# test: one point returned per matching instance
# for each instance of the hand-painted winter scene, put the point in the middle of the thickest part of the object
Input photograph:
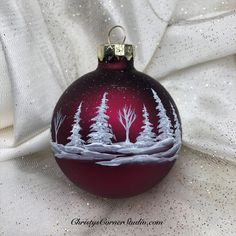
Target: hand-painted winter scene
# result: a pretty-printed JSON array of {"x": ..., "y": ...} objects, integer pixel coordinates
[{"x": 102, "y": 146}]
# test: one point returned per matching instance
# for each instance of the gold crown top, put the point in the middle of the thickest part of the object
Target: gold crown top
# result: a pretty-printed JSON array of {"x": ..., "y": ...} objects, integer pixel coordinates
[{"x": 111, "y": 50}]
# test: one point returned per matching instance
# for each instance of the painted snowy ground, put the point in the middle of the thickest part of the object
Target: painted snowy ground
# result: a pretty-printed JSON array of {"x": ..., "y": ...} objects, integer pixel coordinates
[{"x": 120, "y": 153}]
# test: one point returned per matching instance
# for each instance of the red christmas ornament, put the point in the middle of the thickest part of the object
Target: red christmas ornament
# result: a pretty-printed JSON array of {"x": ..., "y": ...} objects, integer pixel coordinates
[{"x": 116, "y": 132}]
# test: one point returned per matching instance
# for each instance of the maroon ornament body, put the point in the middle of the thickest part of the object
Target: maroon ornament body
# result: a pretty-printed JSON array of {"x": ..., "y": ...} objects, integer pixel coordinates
[{"x": 116, "y": 132}]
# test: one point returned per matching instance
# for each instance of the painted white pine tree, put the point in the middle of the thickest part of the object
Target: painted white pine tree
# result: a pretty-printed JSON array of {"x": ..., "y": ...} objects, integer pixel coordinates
[
  {"x": 126, "y": 117},
  {"x": 146, "y": 136},
  {"x": 176, "y": 128},
  {"x": 100, "y": 130},
  {"x": 164, "y": 123},
  {"x": 75, "y": 138}
]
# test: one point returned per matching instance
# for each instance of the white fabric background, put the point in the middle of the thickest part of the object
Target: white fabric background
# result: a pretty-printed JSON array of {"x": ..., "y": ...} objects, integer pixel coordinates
[{"x": 188, "y": 46}]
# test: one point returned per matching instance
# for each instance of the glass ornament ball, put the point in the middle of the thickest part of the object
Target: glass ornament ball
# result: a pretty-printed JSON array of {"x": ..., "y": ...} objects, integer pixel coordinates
[{"x": 116, "y": 132}]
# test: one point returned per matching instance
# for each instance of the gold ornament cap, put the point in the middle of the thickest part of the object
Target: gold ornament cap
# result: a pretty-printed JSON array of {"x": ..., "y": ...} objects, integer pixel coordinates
[{"x": 110, "y": 50}]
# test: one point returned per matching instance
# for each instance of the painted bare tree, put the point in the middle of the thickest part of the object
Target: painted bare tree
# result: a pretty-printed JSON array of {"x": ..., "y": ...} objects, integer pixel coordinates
[
  {"x": 164, "y": 124},
  {"x": 146, "y": 136},
  {"x": 57, "y": 122},
  {"x": 177, "y": 127},
  {"x": 127, "y": 117},
  {"x": 75, "y": 138},
  {"x": 100, "y": 130}
]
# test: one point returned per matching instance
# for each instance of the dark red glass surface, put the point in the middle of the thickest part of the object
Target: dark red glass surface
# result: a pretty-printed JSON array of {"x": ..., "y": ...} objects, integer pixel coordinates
[{"x": 125, "y": 86}]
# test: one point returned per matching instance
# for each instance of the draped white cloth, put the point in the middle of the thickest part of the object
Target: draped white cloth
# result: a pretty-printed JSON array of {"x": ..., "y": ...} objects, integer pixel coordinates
[{"x": 188, "y": 46}]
